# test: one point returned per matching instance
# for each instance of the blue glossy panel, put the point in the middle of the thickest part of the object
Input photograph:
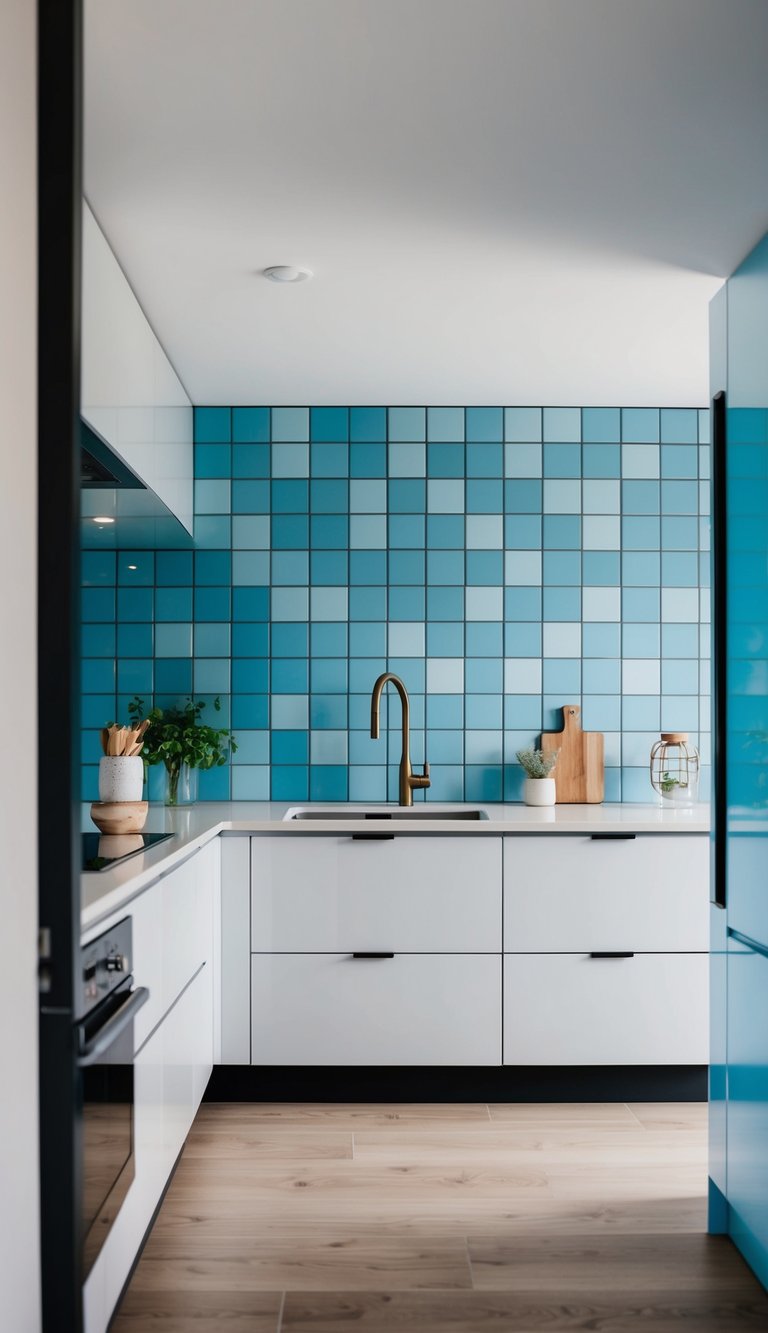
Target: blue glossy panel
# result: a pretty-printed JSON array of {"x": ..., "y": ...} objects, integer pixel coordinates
[{"x": 747, "y": 1114}]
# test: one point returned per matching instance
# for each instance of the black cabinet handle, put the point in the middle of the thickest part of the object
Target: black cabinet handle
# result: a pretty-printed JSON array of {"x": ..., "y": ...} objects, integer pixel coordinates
[
  {"x": 612, "y": 837},
  {"x": 372, "y": 837},
  {"x": 719, "y": 866},
  {"x": 612, "y": 954},
  {"x": 373, "y": 955}
]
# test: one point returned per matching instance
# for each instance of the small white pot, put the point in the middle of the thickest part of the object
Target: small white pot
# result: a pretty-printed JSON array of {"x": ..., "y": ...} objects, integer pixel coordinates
[
  {"x": 121, "y": 777},
  {"x": 539, "y": 791}
]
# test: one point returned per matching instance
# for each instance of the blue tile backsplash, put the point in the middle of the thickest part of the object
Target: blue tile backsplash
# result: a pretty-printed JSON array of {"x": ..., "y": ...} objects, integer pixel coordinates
[{"x": 503, "y": 561}]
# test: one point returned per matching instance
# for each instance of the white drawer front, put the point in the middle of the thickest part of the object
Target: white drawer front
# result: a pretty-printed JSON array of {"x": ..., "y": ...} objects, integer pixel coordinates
[
  {"x": 413, "y": 1009},
  {"x": 408, "y": 894},
  {"x": 566, "y": 894},
  {"x": 570, "y": 1009}
]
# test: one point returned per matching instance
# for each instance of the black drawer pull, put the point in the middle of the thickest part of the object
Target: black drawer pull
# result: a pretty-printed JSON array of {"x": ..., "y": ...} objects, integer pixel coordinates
[
  {"x": 372, "y": 837},
  {"x": 373, "y": 955},
  {"x": 612, "y": 955},
  {"x": 613, "y": 837}
]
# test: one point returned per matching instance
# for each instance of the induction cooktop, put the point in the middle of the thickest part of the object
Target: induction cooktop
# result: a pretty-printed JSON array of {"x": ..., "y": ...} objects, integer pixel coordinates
[{"x": 103, "y": 850}]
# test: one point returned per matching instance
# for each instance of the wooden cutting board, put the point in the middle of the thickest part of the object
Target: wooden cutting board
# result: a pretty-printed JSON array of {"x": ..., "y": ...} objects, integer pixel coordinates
[{"x": 580, "y": 770}]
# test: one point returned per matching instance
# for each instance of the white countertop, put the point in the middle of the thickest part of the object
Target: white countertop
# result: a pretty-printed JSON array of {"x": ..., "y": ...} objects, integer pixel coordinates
[{"x": 106, "y": 891}]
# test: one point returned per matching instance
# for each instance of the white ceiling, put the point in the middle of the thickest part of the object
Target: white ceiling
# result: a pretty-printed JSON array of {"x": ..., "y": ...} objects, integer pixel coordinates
[{"x": 502, "y": 200}]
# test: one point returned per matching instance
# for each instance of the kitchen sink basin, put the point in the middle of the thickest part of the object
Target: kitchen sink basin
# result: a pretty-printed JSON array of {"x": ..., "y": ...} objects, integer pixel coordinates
[{"x": 412, "y": 814}]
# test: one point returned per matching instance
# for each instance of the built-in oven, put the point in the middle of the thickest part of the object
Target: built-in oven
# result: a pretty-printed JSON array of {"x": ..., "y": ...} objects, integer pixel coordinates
[{"x": 109, "y": 1002}]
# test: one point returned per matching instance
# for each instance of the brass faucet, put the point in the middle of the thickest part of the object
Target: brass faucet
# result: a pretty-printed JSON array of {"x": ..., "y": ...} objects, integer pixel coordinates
[{"x": 408, "y": 779}]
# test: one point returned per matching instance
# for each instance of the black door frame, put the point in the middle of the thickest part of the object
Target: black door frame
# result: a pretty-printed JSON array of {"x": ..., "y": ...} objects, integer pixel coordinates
[{"x": 59, "y": 183}]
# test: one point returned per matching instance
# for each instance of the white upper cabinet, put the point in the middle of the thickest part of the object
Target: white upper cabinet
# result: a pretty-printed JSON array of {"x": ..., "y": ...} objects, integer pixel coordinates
[{"x": 131, "y": 395}]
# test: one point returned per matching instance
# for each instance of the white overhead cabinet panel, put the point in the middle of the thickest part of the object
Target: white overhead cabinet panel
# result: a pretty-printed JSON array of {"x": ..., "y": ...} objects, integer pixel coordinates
[{"x": 131, "y": 395}]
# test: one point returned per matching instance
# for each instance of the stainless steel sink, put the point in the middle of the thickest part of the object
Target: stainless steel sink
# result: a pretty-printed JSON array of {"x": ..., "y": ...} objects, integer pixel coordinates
[{"x": 410, "y": 814}]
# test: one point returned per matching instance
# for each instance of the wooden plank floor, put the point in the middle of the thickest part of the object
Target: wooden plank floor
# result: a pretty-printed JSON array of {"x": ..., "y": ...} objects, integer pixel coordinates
[{"x": 515, "y": 1218}]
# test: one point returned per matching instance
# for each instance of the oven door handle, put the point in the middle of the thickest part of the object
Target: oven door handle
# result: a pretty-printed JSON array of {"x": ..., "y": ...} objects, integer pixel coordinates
[{"x": 106, "y": 1035}]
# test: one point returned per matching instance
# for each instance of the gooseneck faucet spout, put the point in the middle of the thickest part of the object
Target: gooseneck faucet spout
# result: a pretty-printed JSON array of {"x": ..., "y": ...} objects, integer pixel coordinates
[{"x": 408, "y": 779}]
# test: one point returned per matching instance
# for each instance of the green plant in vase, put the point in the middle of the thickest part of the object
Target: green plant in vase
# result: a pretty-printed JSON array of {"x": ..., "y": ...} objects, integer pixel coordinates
[{"x": 181, "y": 741}]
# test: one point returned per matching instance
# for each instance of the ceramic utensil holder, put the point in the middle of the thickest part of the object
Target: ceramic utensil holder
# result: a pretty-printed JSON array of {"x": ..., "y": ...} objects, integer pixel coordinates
[{"x": 121, "y": 778}]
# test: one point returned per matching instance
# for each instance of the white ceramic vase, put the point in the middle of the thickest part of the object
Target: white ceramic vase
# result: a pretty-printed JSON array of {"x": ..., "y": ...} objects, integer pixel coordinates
[
  {"x": 539, "y": 791},
  {"x": 121, "y": 777}
]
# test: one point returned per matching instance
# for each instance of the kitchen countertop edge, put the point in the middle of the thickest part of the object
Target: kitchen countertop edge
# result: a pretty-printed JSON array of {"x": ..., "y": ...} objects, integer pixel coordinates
[{"x": 108, "y": 891}]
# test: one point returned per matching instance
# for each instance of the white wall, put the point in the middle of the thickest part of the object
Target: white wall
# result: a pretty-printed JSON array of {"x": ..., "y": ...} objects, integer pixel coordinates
[
  {"x": 131, "y": 395},
  {"x": 19, "y": 1242}
]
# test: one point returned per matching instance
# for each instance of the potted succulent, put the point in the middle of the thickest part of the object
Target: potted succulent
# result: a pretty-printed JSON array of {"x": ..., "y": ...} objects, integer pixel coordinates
[
  {"x": 180, "y": 741},
  {"x": 539, "y": 786}
]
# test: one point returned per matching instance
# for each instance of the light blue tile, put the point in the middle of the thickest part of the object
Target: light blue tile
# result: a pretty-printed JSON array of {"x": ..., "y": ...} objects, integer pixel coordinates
[
  {"x": 484, "y": 496},
  {"x": 291, "y": 604},
  {"x": 522, "y": 532},
  {"x": 522, "y": 568},
  {"x": 641, "y": 569},
  {"x": 329, "y": 676},
  {"x": 445, "y": 496},
  {"x": 679, "y": 425},
  {"x": 601, "y": 497},
  {"x": 636, "y": 747},
  {"x": 445, "y": 531},
  {"x": 250, "y": 568},
  {"x": 562, "y": 496},
  {"x": 214, "y": 640},
  {"x": 406, "y": 639},
  {"x": 521, "y": 638},
  {"x": 173, "y": 639},
  {"x": 484, "y": 531},
  {"x": 562, "y": 603},
  {"x": 290, "y": 712},
  {"x": 680, "y": 713},
  {"x": 640, "y": 425},
  {"x": 601, "y": 640},
  {"x": 407, "y": 460},
  {"x": 367, "y": 532},
  {"x": 252, "y": 748},
  {"x": 289, "y": 675},
  {"x": 680, "y": 460},
  {"x": 641, "y": 640},
  {"x": 636, "y": 785},
  {"x": 445, "y": 423},
  {"x": 640, "y": 461},
  {"x": 445, "y": 675},
  {"x": 484, "y": 603},
  {"x": 679, "y": 533},
  {"x": 329, "y": 638},
  {"x": 290, "y": 567},
  {"x": 213, "y": 531},
  {"x": 328, "y": 747},
  {"x": 483, "y": 675},
  {"x": 523, "y": 496},
  {"x": 680, "y": 604},
  {"x": 367, "y": 496},
  {"x": 250, "y": 532},
  {"x": 212, "y": 497},
  {"x": 445, "y": 567},
  {"x": 601, "y": 568},
  {"x": 522, "y": 423},
  {"x": 680, "y": 676},
  {"x": 641, "y": 604},
  {"x": 406, "y": 531},
  {"x": 641, "y": 533},
  {"x": 211, "y": 675},
  {"x": 328, "y": 711},
  {"x": 601, "y": 460},
  {"x": 328, "y": 603},
  {"x": 445, "y": 603},
  {"x": 601, "y": 676},
  {"x": 642, "y": 713},
  {"x": 367, "y": 603},
  {"x": 522, "y": 603},
  {"x": 601, "y": 603},
  {"x": 641, "y": 497},
  {"x": 601, "y": 424},
  {"x": 679, "y": 497},
  {"x": 562, "y": 676},
  {"x": 522, "y": 675},
  {"x": 290, "y": 423},
  {"x": 601, "y": 532},
  {"x": 407, "y": 423},
  {"x": 679, "y": 569},
  {"x": 562, "y": 423},
  {"x": 367, "y": 639},
  {"x": 601, "y": 712},
  {"x": 483, "y": 782},
  {"x": 250, "y": 783},
  {"x": 680, "y": 640},
  {"x": 290, "y": 460},
  {"x": 522, "y": 460}
]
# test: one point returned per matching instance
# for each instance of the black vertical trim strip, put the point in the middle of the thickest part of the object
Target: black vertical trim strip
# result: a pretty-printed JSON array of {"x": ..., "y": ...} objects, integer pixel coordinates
[
  {"x": 58, "y": 348},
  {"x": 719, "y": 645}
]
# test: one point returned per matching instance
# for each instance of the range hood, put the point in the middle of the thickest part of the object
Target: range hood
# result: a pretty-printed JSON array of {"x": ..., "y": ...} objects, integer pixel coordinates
[{"x": 136, "y": 517}]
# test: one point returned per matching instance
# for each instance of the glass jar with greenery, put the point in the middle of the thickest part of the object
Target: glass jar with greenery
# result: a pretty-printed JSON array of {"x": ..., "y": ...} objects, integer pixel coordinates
[{"x": 178, "y": 739}]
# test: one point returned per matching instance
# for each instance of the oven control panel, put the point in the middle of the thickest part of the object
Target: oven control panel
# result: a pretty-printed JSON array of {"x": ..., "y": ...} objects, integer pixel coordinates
[{"x": 104, "y": 964}]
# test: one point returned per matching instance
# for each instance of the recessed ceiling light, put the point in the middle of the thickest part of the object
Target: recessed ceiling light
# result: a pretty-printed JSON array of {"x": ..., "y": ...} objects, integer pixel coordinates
[
  {"x": 287, "y": 273},
  {"x": 102, "y": 518},
  {"x": 132, "y": 566}
]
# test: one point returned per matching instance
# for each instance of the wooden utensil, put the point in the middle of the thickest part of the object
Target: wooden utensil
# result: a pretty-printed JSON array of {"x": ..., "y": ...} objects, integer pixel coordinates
[
  {"x": 580, "y": 770},
  {"x": 105, "y": 740}
]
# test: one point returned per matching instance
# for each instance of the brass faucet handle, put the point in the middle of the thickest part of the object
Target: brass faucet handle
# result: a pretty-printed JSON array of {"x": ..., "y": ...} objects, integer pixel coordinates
[{"x": 421, "y": 779}]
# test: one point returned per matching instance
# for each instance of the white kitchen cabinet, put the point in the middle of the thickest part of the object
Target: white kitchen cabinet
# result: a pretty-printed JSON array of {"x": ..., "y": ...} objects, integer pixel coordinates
[
  {"x": 572, "y": 1009},
  {"x": 234, "y": 954},
  {"x": 412, "y": 1009},
  {"x": 568, "y": 894},
  {"x": 173, "y": 955},
  {"x": 131, "y": 395},
  {"x": 406, "y": 894}
]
